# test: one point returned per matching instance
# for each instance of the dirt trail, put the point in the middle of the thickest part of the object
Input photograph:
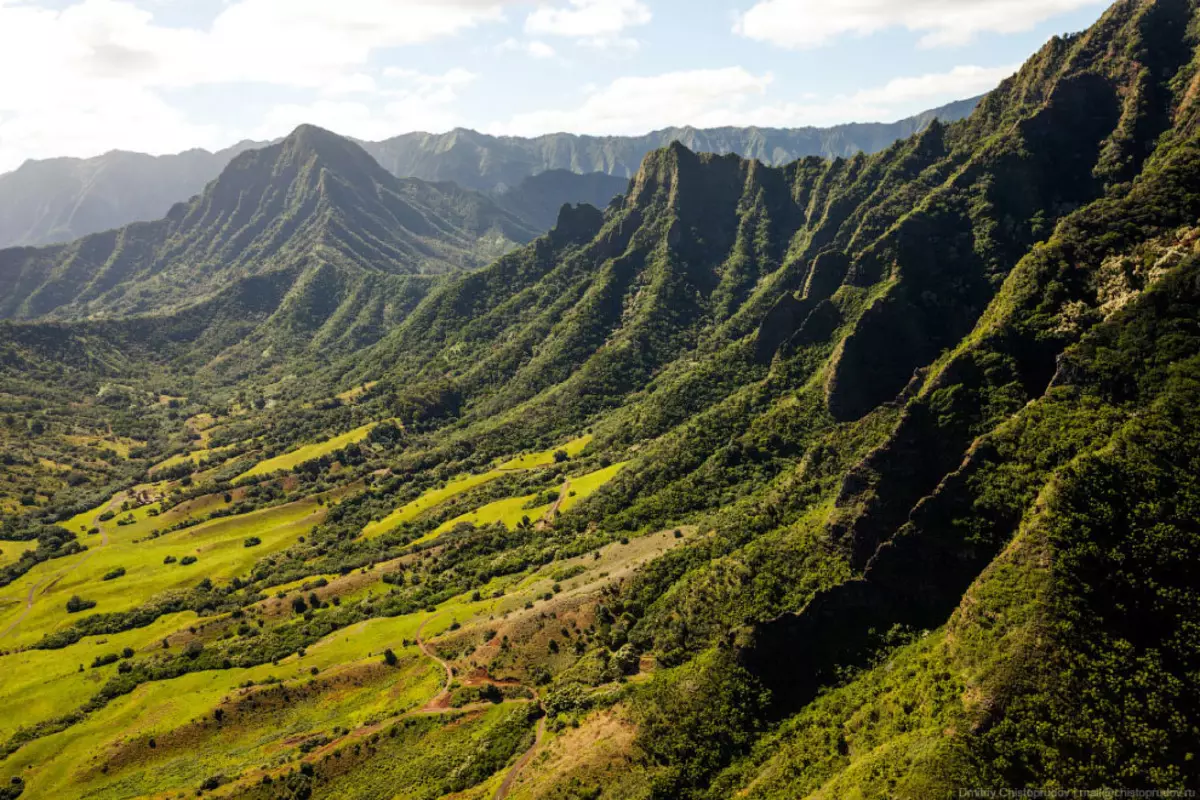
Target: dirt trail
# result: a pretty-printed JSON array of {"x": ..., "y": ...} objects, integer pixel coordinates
[
  {"x": 440, "y": 700},
  {"x": 511, "y": 777},
  {"x": 33, "y": 590},
  {"x": 440, "y": 703},
  {"x": 548, "y": 517},
  {"x": 28, "y": 607}
]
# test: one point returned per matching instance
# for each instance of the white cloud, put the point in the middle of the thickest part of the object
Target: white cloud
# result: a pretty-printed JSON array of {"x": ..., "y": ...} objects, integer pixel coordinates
[
  {"x": 416, "y": 101},
  {"x": 535, "y": 48},
  {"x": 957, "y": 84},
  {"x": 810, "y": 23},
  {"x": 636, "y": 104},
  {"x": 91, "y": 76},
  {"x": 735, "y": 96},
  {"x": 594, "y": 21}
]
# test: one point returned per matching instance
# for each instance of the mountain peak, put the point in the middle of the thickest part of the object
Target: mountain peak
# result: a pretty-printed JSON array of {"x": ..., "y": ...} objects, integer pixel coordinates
[{"x": 310, "y": 141}]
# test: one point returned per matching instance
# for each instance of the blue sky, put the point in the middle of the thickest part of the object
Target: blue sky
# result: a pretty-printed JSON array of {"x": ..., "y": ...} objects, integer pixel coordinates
[{"x": 163, "y": 75}]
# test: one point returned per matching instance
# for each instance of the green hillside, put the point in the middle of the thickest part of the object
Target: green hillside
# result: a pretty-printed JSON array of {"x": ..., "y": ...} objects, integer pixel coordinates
[
  {"x": 316, "y": 203},
  {"x": 872, "y": 477}
]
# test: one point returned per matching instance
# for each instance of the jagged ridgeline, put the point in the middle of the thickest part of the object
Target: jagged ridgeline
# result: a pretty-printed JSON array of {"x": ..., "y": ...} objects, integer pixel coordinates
[
  {"x": 315, "y": 204},
  {"x": 57, "y": 200},
  {"x": 869, "y": 477}
]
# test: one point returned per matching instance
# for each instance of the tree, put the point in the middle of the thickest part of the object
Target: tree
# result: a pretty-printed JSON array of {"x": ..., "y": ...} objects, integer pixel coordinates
[
  {"x": 390, "y": 658},
  {"x": 77, "y": 604}
]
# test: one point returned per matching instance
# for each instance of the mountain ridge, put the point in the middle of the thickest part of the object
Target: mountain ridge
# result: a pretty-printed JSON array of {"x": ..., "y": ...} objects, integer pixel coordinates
[
  {"x": 56, "y": 213},
  {"x": 314, "y": 197},
  {"x": 873, "y": 476}
]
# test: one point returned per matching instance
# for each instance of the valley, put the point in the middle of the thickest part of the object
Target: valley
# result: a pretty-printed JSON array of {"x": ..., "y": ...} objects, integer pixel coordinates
[{"x": 868, "y": 474}]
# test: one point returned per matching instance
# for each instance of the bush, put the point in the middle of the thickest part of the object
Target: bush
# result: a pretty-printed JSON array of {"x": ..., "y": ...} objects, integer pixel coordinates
[
  {"x": 187, "y": 561},
  {"x": 77, "y": 604},
  {"x": 114, "y": 574},
  {"x": 252, "y": 541}
]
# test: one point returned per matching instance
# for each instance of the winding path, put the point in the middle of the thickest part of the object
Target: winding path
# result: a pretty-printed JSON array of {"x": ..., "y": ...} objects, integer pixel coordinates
[
  {"x": 435, "y": 705},
  {"x": 548, "y": 518},
  {"x": 511, "y": 777},
  {"x": 32, "y": 595},
  {"x": 444, "y": 694}
]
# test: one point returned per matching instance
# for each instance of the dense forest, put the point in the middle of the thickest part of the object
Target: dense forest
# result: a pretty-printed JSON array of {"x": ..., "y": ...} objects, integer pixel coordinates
[{"x": 873, "y": 476}]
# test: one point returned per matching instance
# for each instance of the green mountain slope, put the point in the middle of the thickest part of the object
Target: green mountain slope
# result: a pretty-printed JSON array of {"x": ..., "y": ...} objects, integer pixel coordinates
[
  {"x": 314, "y": 202},
  {"x": 59, "y": 200},
  {"x": 871, "y": 477}
]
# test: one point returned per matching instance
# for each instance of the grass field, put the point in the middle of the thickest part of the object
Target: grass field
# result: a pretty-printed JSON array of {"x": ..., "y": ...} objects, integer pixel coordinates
[
  {"x": 587, "y": 485},
  {"x": 464, "y": 483},
  {"x": 430, "y": 499},
  {"x": 194, "y": 457},
  {"x": 45, "y": 684},
  {"x": 508, "y": 513},
  {"x": 546, "y": 457},
  {"x": 11, "y": 551},
  {"x": 352, "y": 395},
  {"x": 36, "y": 604},
  {"x": 511, "y": 511},
  {"x": 307, "y": 453},
  {"x": 118, "y": 445}
]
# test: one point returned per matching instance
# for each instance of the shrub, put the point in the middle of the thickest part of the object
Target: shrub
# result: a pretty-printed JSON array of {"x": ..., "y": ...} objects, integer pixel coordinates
[
  {"x": 77, "y": 604},
  {"x": 187, "y": 561},
  {"x": 114, "y": 574}
]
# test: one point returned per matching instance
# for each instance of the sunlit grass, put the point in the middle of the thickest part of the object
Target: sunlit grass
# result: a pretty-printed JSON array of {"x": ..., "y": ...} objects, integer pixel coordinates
[
  {"x": 430, "y": 499},
  {"x": 464, "y": 483},
  {"x": 512, "y": 511},
  {"x": 218, "y": 546},
  {"x": 546, "y": 457},
  {"x": 308, "y": 452}
]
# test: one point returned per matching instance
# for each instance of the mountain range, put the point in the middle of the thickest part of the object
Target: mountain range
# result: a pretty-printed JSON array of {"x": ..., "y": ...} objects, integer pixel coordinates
[
  {"x": 57, "y": 200},
  {"x": 868, "y": 476}
]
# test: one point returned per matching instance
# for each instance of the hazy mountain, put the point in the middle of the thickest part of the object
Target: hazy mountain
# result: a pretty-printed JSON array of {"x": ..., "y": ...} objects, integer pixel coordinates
[
  {"x": 870, "y": 477},
  {"x": 316, "y": 203},
  {"x": 61, "y": 199},
  {"x": 480, "y": 161},
  {"x": 539, "y": 198},
  {"x": 58, "y": 200}
]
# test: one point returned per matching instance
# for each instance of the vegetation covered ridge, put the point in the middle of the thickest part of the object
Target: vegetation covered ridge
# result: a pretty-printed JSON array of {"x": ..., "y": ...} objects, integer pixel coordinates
[{"x": 867, "y": 477}]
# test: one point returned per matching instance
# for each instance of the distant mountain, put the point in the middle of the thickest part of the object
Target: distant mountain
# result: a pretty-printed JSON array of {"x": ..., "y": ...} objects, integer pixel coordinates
[
  {"x": 314, "y": 204},
  {"x": 62, "y": 199},
  {"x": 479, "y": 161},
  {"x": 874, "y": 477},
  {"x": 539, "y": 198}
]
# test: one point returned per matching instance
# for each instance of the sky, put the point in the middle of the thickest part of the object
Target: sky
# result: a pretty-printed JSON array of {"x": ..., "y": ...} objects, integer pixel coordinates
[{"x": 82, "y": 77}]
